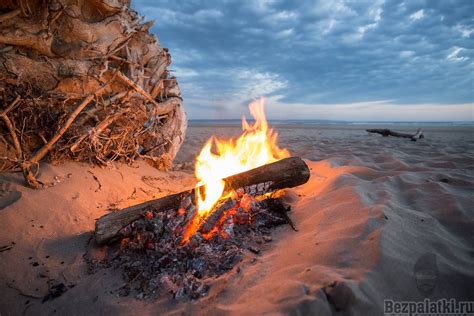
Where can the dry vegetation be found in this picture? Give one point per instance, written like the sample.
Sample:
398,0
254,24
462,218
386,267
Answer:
85,81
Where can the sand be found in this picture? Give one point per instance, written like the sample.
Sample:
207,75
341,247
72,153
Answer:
372,209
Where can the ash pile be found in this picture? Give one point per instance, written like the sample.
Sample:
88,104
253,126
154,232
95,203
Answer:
176,253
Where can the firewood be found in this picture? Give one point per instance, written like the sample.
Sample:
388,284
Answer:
386,132
215,216
285,173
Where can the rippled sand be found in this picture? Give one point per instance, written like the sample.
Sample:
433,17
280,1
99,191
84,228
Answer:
375,211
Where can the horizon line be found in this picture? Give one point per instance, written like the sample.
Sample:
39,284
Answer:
339,121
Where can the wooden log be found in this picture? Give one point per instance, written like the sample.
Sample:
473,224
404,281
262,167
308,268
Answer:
215,216
285,173
386,132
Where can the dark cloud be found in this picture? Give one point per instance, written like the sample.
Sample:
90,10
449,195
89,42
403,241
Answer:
317,52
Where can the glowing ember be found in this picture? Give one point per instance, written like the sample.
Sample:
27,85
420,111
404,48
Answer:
256,146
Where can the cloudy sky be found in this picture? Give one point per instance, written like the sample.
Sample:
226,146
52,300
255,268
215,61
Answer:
336,60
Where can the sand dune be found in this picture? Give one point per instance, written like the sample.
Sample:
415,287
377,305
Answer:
372,209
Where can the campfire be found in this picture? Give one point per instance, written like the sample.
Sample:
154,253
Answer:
177,244
256,147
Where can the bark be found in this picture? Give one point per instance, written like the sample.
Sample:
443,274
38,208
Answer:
92,83
285,173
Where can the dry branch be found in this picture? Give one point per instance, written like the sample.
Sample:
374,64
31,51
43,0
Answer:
285,173
133,85
386,132
47,147
9,15
11,128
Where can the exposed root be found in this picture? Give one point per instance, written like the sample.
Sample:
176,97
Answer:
84,82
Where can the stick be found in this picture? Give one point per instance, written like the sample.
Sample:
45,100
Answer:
24,166
160,108
47,147
27,164
10,107
280,208
11,128
9,15
5,248
137,88
285,173
386,132
93,132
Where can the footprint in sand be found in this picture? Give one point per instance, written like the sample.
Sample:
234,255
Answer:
8,194
155,182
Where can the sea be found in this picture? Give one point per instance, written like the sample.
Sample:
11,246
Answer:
235,122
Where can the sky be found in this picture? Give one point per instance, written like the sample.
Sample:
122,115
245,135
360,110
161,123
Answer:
352,60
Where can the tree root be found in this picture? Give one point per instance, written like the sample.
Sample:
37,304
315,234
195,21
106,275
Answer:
84,82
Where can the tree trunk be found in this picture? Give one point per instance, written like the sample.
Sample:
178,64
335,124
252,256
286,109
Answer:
92,84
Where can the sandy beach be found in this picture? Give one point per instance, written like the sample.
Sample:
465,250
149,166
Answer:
375,212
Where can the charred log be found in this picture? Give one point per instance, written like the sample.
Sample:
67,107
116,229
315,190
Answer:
285,173
215,216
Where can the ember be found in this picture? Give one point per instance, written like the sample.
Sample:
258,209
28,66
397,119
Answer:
155,262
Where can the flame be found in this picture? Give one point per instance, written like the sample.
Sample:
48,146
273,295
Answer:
256,146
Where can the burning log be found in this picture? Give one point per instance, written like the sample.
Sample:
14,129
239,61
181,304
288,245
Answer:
386,132
216,215
285,173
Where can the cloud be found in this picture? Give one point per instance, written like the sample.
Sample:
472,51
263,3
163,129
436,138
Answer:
382,110
285,33
206,15
417,15
258,6
465,31
454,55
407,53
280,17
334,8
168,17
318,53
253,84
186,73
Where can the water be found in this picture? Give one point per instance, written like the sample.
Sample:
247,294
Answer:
234,122
315,140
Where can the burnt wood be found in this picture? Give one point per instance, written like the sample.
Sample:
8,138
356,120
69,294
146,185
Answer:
285,173
216,216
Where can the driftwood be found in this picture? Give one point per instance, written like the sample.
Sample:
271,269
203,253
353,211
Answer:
386,132
84,81
285,173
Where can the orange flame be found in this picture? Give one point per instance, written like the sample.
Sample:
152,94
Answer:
256,146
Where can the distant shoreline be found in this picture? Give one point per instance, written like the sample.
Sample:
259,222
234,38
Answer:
232,122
